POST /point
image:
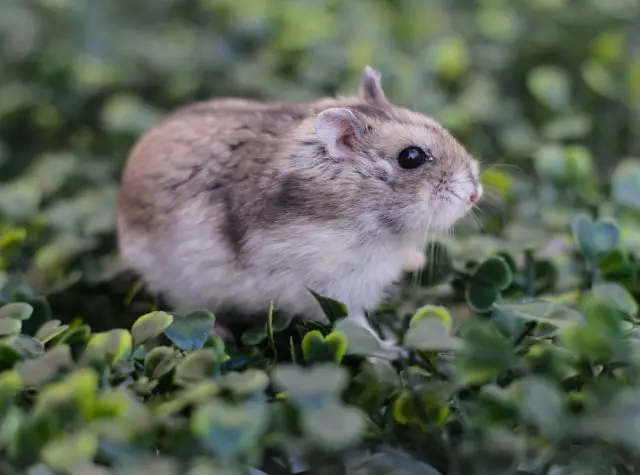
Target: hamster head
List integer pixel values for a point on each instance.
(404, 165)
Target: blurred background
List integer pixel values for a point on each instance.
(551, 86)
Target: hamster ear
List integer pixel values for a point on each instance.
(339, 129)
(371, 87)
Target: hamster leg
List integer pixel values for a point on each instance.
(222, 331)
(388, 349)
(414, 261)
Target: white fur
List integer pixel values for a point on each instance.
(196, 270)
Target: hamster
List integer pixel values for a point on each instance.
(231, 204)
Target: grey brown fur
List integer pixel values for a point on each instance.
(231, 196)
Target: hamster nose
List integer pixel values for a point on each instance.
(474, 197)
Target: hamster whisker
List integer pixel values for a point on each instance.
(477, 221)
(417, 276)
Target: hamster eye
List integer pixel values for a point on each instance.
(413, 157)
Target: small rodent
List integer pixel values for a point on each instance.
(231, 204)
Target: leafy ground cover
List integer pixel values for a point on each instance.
(523, 330)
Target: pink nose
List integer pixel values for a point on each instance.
(473, 198)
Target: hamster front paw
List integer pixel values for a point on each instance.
(414, 261)
(391, 350)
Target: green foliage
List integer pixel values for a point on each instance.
(523, 343)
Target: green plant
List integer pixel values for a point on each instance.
(522, 330)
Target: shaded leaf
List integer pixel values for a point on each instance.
(17, 310)
(196, 366)
(616, 296)
(493, 272)
(9, 326)
(160, 361)
(190, 332)
(334, 426)
(69, 451)
(625, 183)
(431, 334)
(251, 381)
(228, 430)
(48, 366)
(332, 308)
(310, 387)
(481, 298)
(542, 404)
(542, 311)
(360, 341)
(50, 330)
(255, 335)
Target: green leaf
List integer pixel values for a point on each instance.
(28, 346)
(150, 326)
(197, 366)
(114, 344)
(10, 326)
(190, 332)
(251, 381)
(542, 404)
(406, 412)
(47, 367)
(334, 426)
(550, 85)
(625, 183)
(619, 421)
(616, 296)
(583, 230)
(494, 272)
(17, 310)
(281, 321)
(316, 347)
(439, 265)
(311, 387)
(10, 386)
(254, 336)
(607, 235)
(70, 451)
(389, 460)
(541, 311)
(600, 335)
(486, 353)
(616, 265)
(431, 335)
(432, 311)
(50, 330)
(42, 313)
(229, 430)
(69, 400)
(195, 394)
(9, 354)
(481, 298)
(160, 361)
(360, 341)
(595, 238)
(332, 308)
(74, 334)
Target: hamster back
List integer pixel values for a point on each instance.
(231, 204)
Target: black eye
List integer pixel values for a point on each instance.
(413, 157)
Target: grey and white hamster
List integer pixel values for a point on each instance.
(231, 204)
